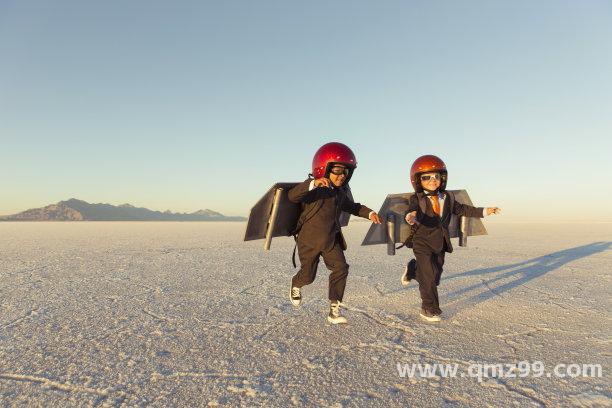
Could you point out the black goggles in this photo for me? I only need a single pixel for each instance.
(337, 170)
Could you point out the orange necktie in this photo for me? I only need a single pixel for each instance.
(436, 204)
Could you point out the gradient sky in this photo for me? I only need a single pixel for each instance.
(188, 105)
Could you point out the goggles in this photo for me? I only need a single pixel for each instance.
(427, 177)
(337, 170)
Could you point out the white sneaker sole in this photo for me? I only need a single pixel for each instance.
(337, 320)
(430, 319)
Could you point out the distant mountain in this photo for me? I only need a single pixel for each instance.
(78, 210)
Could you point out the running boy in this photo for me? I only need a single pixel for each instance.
(430, 208)
(323, 198)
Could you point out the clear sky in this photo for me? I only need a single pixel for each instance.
(188, 105)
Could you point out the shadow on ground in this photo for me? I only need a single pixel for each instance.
(494, 281)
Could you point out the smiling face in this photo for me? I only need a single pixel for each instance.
(338, 174)
(430, 181)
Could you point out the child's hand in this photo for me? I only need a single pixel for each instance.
(411, 217)
(375, 218)
(493, 210)
(323, 182)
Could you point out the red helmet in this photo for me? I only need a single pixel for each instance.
(426, 164)
(330, 154)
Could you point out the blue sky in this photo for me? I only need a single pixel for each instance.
(189, 105)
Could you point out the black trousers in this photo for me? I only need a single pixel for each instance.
(428, 273)
(334, 260)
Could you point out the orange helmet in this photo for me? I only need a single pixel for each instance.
(330, 154)
(427, 164)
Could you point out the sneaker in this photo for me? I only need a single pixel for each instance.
(429, 316)
(409, 272)
(295, 295)
(334, 316)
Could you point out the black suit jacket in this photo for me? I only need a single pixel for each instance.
(320, 217)
(432, 233)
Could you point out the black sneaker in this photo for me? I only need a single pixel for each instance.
(409, 272)
(429, 316)
(295, 295)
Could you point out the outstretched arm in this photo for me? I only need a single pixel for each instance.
(470, 211)
(360, 210)
(466, 210)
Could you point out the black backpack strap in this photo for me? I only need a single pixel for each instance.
(408, 242)
(294, 248)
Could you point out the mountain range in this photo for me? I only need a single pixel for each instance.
(78, 210)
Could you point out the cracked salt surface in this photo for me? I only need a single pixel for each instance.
(164, 314)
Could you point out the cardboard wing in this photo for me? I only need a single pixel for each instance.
(394, 228)
(275, 216)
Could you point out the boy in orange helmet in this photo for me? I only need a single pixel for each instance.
(430, 209)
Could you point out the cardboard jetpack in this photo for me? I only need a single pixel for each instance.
(275, 216)
(394, 228)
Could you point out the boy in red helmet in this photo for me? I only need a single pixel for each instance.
(323, 198)
(431, 209)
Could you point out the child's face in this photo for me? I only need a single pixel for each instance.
(430, 181)
(338, 174)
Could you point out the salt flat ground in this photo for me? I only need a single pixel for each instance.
(186, 314)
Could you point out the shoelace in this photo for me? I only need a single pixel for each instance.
(295, 292)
